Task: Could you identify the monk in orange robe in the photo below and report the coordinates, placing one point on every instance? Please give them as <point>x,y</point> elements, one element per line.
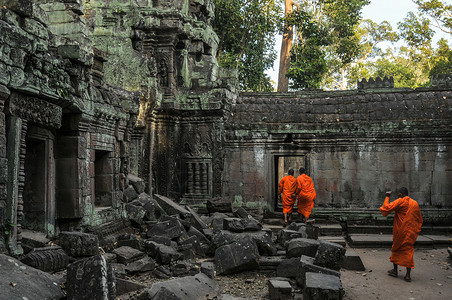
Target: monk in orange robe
<point>288,187</point>
<point>407,225</point>
<point>306,195</point>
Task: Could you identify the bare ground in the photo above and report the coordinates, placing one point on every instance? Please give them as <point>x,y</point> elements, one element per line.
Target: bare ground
<point>431,279</point>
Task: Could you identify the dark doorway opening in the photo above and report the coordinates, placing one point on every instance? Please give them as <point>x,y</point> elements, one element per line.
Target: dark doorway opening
<point>103,179</point>
<point>282,165</point>
<point>35,186</point>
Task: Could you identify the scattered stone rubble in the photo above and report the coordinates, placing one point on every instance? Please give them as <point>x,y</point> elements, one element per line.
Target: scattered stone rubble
<point>186,251</point>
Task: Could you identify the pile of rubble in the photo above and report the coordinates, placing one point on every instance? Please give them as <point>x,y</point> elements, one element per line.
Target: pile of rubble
<point>186,251</point>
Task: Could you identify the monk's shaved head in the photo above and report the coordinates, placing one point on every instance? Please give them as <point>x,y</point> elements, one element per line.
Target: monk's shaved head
<point>302,170</point>
<point>290,172</point>
<point>403,191</point>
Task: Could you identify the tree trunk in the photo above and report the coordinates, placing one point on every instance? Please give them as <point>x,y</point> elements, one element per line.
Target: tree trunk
<point>286,46</point>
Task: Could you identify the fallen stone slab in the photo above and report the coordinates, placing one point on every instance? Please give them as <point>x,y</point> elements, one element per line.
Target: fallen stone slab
<point>198,286</point>
<point>129,194</point>
<point>279,289</point>
<point>170,228</point>
<point>124,286</point>
<point>184,268</point>
<point>131,240</point>
<point>196,221</point>
<point>329,255</point>
<point>154,212</point>
<point>218,205</point>
<point>352,261</point>
<point>91,278</point>
<point>165,255</point>
<point>171,207</point>
<point>144,264</point>
<point>306,264</point>
<point>32,239</point>
<point>137,183</point>
<point>208,268</point>
<point>334,239</point>
<point>267,263</point>
<point>221,238</point>
<point>289,268</point>
<point>135,214</point>
<point>286,235</point>
<point>119,269</point>
<point>240,225</point>
<point>19,281</point>
<point>263,240</point>
<point>47,259</point>
<point>126,254</point>
<point>79,244</point>
<point>241,213</point>
<point>301,246</point>
<point>311,231</point>
<point>238,256</point>
<point>322,286</point>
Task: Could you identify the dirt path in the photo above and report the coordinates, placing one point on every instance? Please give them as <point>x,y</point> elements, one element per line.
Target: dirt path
<point>431,277</point>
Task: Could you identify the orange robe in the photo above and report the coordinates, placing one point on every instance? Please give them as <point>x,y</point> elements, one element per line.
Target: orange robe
<point>306,195</point>
<point>407,225</point>
<point>287,187</point>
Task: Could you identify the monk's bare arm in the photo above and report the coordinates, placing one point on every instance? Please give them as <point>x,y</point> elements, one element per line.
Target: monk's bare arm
<point>387,207</point>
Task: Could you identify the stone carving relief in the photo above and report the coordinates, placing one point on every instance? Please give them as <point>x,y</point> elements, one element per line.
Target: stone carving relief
<point>35,110</point>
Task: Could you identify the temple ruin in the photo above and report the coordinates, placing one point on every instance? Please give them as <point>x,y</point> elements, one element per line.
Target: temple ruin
<point>97,94</point>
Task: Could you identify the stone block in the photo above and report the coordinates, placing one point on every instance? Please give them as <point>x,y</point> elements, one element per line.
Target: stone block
<point>289,268</point>
<point>23,8</point>
<point>279,289</point>
<point>171,207</point>
<point>129,194</point>
<point>286,235</point>
<point>196,221</point>
<point>352,261</point>
<point>263,240</point>
<point>329,255</point>
<point>170,228</point>
<point>131,240</point>
<point>135,214</point>
<point>91,278</point>
<point>222,238</point>
<point>240,225</point>
<point>208,268</point>
<point>31,283</point>
<point>198,286</point>
<point>241,213</point>
<point>124,286</point>
<point>79,244</point>
<point>166,254</point>
<point>306,264</point>
<point>164,240</point>
<point>322,286</point>
<point>184,268</point>
<point>238,256</point>
<point>47,259</point>
<point>301,246</point>
<point>137,183</point>
<point>126,254</point>
<point>144,264</point>
<point>154,211</point>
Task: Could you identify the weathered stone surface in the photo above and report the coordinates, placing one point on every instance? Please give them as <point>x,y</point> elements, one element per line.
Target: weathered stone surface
<point>279,289</point>
<point>154,212</point>
<point>137,183</point>
<point>208,268</point>
<point>91,278</point>
<point>196,221</point>
<point>19,281</point>
<point>135,213</point>
<point>126,254</point>
<point>286,235</point>
<point>48,259</point>
<point>164,240</point>
<point>238,256</point>
<point>165,255</point>
<point>144,264</point>
<point>329,255</point>
<point>170,228</point>
<point>218,205</point>
<point>240,225</point>
<point>124,286</point>
<point>352,261</point>
<point>222,237</point>
<point>216,221</point>
<point>289,268</point>
<point>79,244</point>
<point>171,207</point>
<point>191,287</point>
<point>184,268</point>
<point>306,264</point>
<point>241,213</point>
<point>301,246</point>
<point>129,194</point>
<point>322,286</point>
<point>32,240</point>
<point>263,240</point>
<point>131,240</point>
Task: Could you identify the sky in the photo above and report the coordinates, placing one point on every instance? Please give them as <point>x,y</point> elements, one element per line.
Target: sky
<point>393,11</point>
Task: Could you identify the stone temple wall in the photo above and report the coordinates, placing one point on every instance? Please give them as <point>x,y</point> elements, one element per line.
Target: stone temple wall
<point>355,145</point>
<point>64,134</point>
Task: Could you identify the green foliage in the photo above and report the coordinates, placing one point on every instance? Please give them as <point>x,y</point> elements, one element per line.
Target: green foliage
<point>442,59</point>
<point>247,32</point>
<point>326,39</point>
<point>439,11</point>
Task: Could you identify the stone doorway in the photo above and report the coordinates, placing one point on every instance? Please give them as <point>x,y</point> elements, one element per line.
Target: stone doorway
<point>39,184</point>
<point>103,179</point>
<point>282,165</point>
